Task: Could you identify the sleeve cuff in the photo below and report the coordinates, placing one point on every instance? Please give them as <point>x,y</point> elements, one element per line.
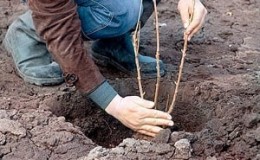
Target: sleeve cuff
<point>103,95</point>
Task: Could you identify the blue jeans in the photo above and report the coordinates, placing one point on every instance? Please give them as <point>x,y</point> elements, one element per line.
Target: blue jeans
<point>107,18</point>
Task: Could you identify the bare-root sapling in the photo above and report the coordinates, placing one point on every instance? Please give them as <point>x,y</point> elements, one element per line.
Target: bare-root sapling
<point>158,79</point>
<point>136,42</point>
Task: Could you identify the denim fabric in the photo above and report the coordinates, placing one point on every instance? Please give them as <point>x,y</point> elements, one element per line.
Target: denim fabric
<point>107,18</point>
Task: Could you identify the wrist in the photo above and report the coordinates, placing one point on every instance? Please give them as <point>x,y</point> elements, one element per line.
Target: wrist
<point>112,107</point>
<point>103,95</point>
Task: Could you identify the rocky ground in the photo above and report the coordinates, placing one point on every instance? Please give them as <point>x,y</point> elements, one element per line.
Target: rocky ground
<point>217,112</point>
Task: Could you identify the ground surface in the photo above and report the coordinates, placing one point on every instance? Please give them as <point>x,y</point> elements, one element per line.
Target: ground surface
<point>217,110</point>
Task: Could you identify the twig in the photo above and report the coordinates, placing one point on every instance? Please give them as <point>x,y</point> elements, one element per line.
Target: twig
<point>136,37</point>
<point>157,86</point>
<point>167,103</point>
<point>185,46</point>
<point>179,75</point>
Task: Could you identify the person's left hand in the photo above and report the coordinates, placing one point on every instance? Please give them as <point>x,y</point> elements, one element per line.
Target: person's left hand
<point>138,114</point>
<point>193,15</point>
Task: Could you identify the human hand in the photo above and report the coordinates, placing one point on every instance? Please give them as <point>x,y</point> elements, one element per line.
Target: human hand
<point>138,115</point>
<point>193,15</point>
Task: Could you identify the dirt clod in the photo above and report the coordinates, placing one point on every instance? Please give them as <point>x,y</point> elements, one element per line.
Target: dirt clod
<point>183,149</point>
<point>176,136</point>
<point>13,127</point>
<point>163,136</point>
<point>251,120</point>
<point>2,139</point>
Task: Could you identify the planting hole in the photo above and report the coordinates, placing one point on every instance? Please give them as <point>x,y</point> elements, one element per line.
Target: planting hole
<point>189,114</point>
<point>97,125</point>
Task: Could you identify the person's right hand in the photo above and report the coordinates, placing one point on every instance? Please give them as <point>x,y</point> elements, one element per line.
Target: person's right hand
<point>193,14</point>
<point>138,115</point>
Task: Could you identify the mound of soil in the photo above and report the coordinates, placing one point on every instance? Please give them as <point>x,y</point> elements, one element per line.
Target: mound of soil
<point>217,112</point>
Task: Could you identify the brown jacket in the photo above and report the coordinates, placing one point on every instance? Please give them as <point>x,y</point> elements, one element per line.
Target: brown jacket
<point>58,24</point>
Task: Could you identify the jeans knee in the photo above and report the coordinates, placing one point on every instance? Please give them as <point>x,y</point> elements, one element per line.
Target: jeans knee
<point>128,17</point>
<point>106,19</point>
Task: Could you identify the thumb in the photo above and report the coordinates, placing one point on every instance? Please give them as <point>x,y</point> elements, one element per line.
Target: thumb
<point>185,17</point>
<point>194,24</point>
<point>142,102</point>
<point>185,25</point>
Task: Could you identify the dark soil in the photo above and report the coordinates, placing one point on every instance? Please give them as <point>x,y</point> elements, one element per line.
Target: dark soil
<point>217,109</point>
<point>94,122</point>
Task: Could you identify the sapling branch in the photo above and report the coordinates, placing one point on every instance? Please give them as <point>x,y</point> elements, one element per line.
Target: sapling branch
<point>185,46</point>
<point>167,103</point>
<point>157,86</point>
<point>179,75</point>
<point>136,41</point>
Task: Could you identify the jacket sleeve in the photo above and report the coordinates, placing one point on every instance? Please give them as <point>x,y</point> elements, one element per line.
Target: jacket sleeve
<point>58,24</point>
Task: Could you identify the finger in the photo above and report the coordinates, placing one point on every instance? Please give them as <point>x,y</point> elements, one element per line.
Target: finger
<point>157,122</point>
<point>194,24</point>
<point>150,128</point>
<point>151,134</point>
<point>199,14</point>
<point>196,29</point>
<point>184,12</point>
<point>160,114</point>
<point>142,102</point>
<point>152,113</point>
<point>199,26</point>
